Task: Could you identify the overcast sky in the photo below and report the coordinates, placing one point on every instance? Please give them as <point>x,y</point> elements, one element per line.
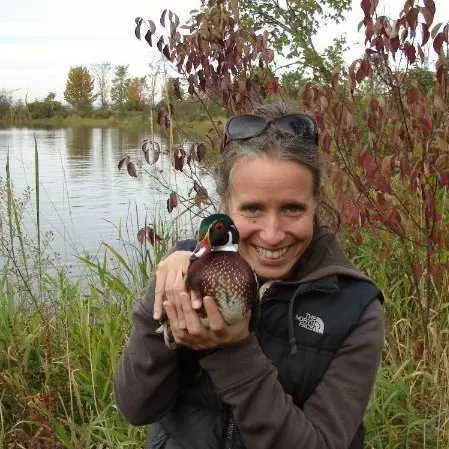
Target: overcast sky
<point>41,39</point>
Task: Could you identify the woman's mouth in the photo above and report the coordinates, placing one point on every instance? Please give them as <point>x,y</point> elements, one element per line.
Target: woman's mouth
<point>271,254</point>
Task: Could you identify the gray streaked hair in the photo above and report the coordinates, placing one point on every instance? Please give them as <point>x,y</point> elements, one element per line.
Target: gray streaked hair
<point>273,142</point>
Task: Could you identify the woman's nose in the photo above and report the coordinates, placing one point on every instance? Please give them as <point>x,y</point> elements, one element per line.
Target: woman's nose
<point>272,232</point>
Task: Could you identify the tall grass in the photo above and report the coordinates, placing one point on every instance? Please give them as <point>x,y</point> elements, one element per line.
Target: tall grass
<point>60,341</point>
<point>409,406</point>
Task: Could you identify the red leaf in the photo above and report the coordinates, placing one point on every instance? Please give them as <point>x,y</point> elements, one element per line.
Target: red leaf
<point>201,194</point>
<point>413,95</point>
<point>148,35</point>
<point>394,44</point>
<point>427,17</point>
<point>162,20</point>
<point>435,30</point>
<point>386,166</point>
<point>426,125</point>
<point>366,7</point>
<point>166,52</point>
<point>412,17</point>
<point>417,270</point>
<point>430,5</point>
<point>131,169</point>
<point>410,52</point>
<point>178,159</point>
<point>200,151</point>
<point>438,42</point>
<point>148,233</point>
<point>360,74</point>
<point>138,21</point>
<point>326,142</point>
<point>172,201</point>
<point>151,26</point>
<point>444,179</point>
<point>125,160</point>
<point>421,54</point>
<point>425,33</point>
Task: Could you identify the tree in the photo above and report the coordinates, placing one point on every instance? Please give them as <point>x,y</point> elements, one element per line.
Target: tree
<point>292,27</point>
<point>100,72</point>
<point>120,83</point>
<point>136,93</point>
<point>390,158</point>
<point>224,66</point>
<point>5,101</point>
<point>79,88</point>
<point>172,90</point>
<point>46,108</point>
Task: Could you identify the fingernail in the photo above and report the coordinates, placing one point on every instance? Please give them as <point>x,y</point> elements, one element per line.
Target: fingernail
<point>196,303</point>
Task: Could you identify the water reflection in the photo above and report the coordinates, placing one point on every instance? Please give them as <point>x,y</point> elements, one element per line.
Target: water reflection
<point>79,141</point>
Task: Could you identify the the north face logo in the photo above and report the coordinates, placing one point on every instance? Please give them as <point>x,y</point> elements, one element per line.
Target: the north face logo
<point>311,322</point>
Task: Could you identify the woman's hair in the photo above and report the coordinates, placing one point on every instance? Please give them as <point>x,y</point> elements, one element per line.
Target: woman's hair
<point>272,142</point>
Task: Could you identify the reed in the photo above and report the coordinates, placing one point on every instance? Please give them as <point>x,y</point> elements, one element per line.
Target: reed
<point>60,340</point>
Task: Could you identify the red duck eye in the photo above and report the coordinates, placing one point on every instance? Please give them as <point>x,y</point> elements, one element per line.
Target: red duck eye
<point>218,227</point>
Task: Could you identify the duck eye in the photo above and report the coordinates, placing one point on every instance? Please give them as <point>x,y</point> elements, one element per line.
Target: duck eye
<point>218,227</point>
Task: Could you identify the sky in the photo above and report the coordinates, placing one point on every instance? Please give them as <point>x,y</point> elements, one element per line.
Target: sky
<point>41,39</point>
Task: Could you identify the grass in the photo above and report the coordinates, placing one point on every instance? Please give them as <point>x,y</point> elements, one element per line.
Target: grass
<point>60,341</point>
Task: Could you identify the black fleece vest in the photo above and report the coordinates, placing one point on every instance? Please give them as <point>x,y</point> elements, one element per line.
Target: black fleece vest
<point>300,328</point>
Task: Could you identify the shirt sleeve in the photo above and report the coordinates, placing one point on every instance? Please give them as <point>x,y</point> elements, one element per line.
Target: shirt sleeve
<point>266,415</point>
<point>146,380</point>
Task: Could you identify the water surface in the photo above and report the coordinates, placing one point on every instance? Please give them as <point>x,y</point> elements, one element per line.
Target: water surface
<point>84,198</point>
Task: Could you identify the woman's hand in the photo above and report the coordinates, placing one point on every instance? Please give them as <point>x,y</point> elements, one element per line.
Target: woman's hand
<point>170,283</point>
<point>197,336</point>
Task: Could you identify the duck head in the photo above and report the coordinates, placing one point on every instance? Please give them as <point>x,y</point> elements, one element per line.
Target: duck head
<point>216,232</point>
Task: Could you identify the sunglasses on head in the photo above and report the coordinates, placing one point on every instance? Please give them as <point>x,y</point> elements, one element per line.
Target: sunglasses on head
<point>243,127</point>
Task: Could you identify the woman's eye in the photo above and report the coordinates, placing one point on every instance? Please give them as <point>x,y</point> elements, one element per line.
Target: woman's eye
<point>251,209</point>
<point>293,210</point>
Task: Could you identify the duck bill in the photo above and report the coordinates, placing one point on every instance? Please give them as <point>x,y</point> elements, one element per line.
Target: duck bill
<point>202,247</point>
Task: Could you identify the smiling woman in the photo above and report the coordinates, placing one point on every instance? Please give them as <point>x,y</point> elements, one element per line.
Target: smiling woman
<point>273,206</point>
<point>305,370</point>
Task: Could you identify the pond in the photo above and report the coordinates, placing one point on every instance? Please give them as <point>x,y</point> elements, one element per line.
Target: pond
<point>84,198</point>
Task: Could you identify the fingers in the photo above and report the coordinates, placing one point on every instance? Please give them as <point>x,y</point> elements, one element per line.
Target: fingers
<point>158,295</point>
<point>216,321</point>
<point>170,280</point>
<point>192,321</point>
<point>180,288</point>
<point>197,302</point>
<point>170,310</point>
<point>197,336</point>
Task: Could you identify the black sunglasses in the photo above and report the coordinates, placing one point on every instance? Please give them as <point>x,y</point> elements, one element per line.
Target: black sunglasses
<point>243,127</point>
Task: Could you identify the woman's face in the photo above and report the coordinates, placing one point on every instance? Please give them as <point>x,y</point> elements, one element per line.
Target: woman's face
<point>272,204</point>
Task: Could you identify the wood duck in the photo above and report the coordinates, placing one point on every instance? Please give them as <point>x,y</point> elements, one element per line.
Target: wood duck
<point>217,270</point>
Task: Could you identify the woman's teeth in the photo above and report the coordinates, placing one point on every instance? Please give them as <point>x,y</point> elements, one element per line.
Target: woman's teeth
<point>271,254</point>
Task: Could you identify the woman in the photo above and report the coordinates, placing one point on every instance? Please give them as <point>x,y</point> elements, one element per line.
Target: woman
<point>303,377</point>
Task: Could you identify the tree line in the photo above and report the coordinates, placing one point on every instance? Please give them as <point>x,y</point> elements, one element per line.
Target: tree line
<point>98,91</point>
